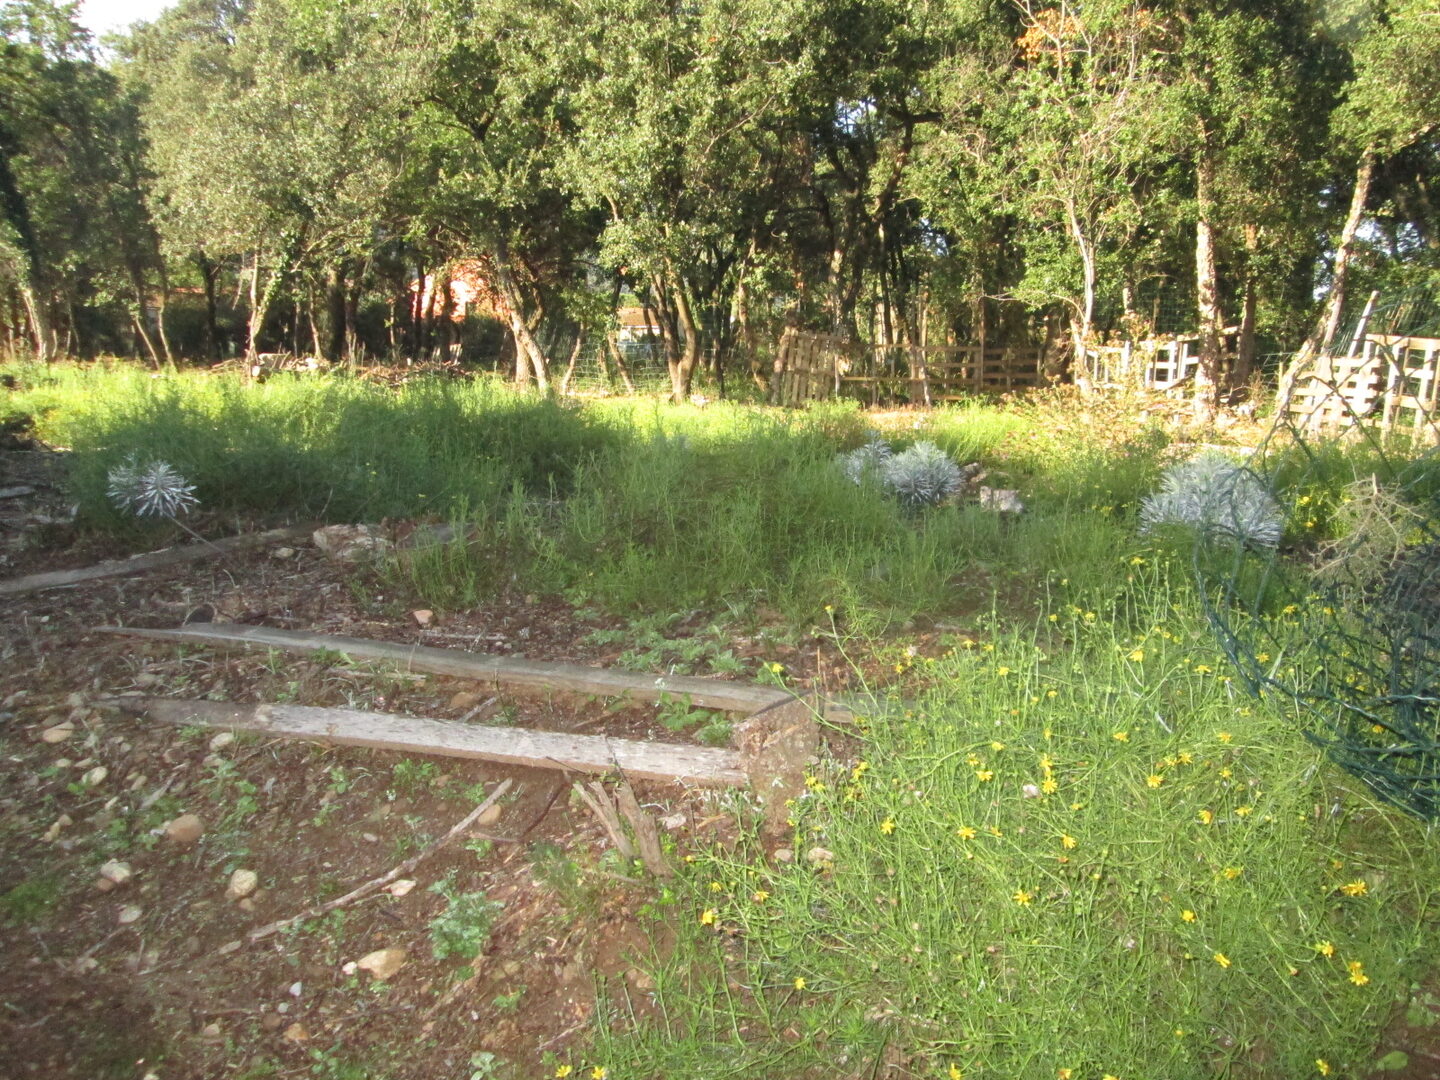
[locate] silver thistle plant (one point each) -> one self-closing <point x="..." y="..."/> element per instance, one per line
<point x="152" y="489"/>
<point x="868" y="461"/>
<point x="923" y="475"/>
<point x="1216" y="498"/>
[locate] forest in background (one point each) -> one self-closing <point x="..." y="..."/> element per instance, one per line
<point x="249" y="175"/>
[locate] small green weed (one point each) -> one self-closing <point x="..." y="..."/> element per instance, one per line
<point x="413" y="775"/>
<point x="30" y="902"/>
<point x="676" y="714"/>
<point x="463" y="928"/>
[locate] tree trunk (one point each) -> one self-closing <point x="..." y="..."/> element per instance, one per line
<point x="209" y="272"/>
<point x="682" y="375"/>
<point x="1245" y="343"/>
<point x="574" y="360"/>
<point x="618" y="355"/>
<point x="1329" y="323"/>
<point x="1207" y="299"/>
<point x="39" y="324"/>
<point x="257" y="310"/>
<point x="332" y="348"/>
<point x="530" y="358"/>
<point x="1081" y="322"/>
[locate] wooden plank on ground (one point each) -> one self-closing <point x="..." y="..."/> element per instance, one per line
<point x="416" y="735"/>
<point x="566" y="678"/>
<point x="155" y="560"/>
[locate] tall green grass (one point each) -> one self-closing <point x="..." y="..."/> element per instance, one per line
<point x="1070" y="848"/>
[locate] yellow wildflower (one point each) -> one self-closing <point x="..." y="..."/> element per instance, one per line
<point x="1068" y="841"/>
<point x="1137" y="655"/>
<point x="1322" y="1066"/>
<point x="887" y="826"/>
<point x="760" y="896"/>
<point x="1154" y="780"/>
<point x="965" y="832"/>
<point x="1222" y="959"/>
<point x="599" y="1072"/>
<point x="1355" y="888"/>
<point x="1206" y="816"/>
<point x="954" y="1073"/>
<point x="997" y="745"/>
<point x="1232" y="872"/>
<point x="1022" y="897"/>
<point x="1049" y="786"/>
<point x="1244" y="811"/>
<point x="1187" y="915"/>
<point x="563" y="1071"/>
<point x="708" y="917"/>
<point x="1225" y="736"/>
<point x="1324" y="948"/>
<point x="984" y="775"/>
<point x="1121" y="736"/>
<point x="1357" y="973"/>
<point x="799" y="983"/>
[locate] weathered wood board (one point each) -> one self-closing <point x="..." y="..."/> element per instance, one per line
<point x="155" y="560"/>
<point x="567" y="678"/>
<point x="417" y="735"/>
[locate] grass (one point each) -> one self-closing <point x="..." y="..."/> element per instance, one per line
<point x="1075" y="848"/>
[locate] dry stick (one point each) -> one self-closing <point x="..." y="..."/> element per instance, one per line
<point x="409" y="864"/>
<point x="601" y="806"/>
<point x="647" y="835"/>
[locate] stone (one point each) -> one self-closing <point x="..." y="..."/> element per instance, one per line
<point x="465" y="700"/>
<point x="350" y="543"/>
<point x="671" y="822"/>
<point x="185" y="829"/>
<point x="211" y="1032"/>
<point x="116" y="872"/>
<point x="297" y="1032"/>
<point x="242" y="884"/>
<point x="271" y="1021"/>
<point x="223" y="740"/>
<point x="491" y="815"/>
<point x="58" y="734"/>
<point x="128" y="914"/>
<point x="818" y="855"/>
<point x="1001" y="500"/>
<point x="248" y="904"/>
<point x="64" y="821"/>
<point x="423" y="617"/>
<point x="401" y="887"/>
<point x="284" y="553"/>
<point x="382" y="963"/>
<point x="776" y="748"/>
<point x="783" y="855"/>
<point x="95" y="776"/>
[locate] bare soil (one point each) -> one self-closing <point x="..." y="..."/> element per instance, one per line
<point x="131" y="980"/>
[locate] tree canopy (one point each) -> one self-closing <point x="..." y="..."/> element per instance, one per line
<point x="1002" y="171"/>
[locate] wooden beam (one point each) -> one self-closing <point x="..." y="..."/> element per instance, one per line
<point x="415" y="735"/>
<point x="155" y="560"/>
<point x="513" y="671"/>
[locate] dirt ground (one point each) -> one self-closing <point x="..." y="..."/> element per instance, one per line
<point x="132" y="979"/>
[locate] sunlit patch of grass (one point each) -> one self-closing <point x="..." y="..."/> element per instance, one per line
<point x="1098" y="857"/>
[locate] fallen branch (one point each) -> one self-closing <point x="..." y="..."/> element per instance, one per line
<point x="538" y="674"/>
<point x="155" y="560"/>
<point x="417" y="735"/>
<point x="374" y="884"/>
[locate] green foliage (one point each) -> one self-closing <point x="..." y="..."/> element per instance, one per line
<point x="28" y="903"/>
<point x="463" y="928"/>
<point x="1081" y="801"/>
